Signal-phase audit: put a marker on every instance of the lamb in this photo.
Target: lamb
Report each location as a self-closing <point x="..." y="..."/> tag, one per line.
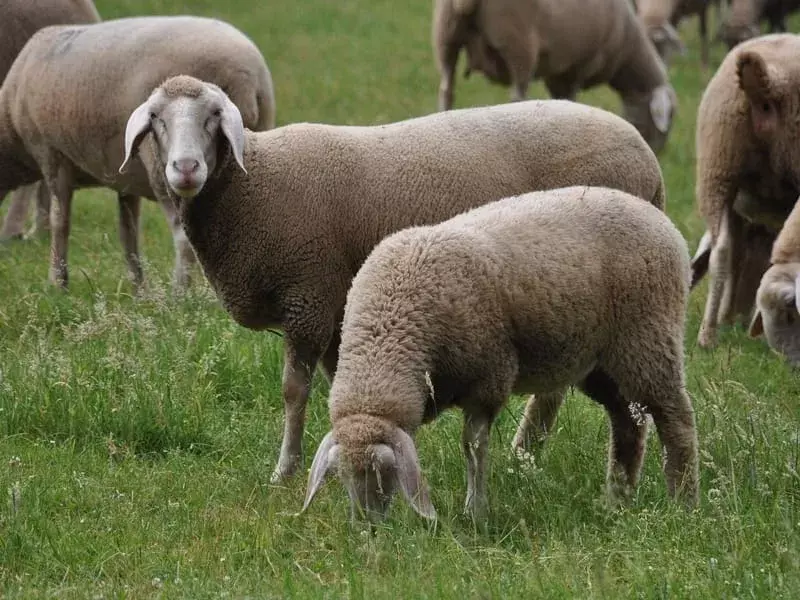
<point x="75" y="138"/>
<point x="743" y="22"/>
<point x="778" y="297"/>
<point x="747" y="159"/>
<point x="23" y="18"/>
<point x="281" y="244"/>
<point x="533" y="293"/>
<point x="571" y="44"/>
<point x="661" y="17"/>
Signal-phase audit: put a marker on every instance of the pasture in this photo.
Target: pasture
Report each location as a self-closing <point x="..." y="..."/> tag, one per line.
<point x="137" y="435"/>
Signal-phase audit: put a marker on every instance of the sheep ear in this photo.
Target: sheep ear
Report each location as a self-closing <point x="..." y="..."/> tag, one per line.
<point x="233" y="128"/>
<point x="756" y="325"/>
<point x="797" y="292"/>
<point x="661" y="106"/>
<point x="409" y="476"/>
<point x="754" y="76"/>
<point x="138" y="125"/>
<point x="325" y="461"/>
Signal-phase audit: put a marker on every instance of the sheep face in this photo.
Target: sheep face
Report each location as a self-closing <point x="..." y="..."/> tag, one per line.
<point x="777" y="317"/>
<point x="666" y="40"/>
<point x="771" y="97"/>
<point x="371" y="483"/>
<point x="189" y="120"/>
<point x="652" y="114"/>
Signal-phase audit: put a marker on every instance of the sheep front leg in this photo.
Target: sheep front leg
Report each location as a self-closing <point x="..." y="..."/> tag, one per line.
<point x="538" y="419"/>
<point x="736" y="243"/>
<point x="447" y="58"/>
<point x="720" y="272"/>
<point x="475" y="442"/>
<point x="59" y="180"/>
<point x="129" y="235"/>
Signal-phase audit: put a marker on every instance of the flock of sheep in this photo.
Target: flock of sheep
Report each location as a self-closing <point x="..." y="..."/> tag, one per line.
<point x="446" y="260"/>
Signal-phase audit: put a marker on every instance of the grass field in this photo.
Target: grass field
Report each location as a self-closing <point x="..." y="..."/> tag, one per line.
<point x="137" y="436"/>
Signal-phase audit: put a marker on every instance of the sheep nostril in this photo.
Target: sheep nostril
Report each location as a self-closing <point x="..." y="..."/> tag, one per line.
<point x="186" y="166"/>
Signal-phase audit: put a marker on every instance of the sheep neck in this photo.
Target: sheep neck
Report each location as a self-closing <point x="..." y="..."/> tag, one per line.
<point x="643" y="70"/>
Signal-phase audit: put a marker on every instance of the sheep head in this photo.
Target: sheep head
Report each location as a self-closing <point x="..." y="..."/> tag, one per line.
<point x="666" y="40"/>
<point x="777" y="306"/>
<point x="189" y="120"/>
<point x="651" y="113"/>
<point x="373" y="478"/>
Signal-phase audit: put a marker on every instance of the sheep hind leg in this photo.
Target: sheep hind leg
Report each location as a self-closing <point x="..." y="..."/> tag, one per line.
<point x="129" y="207"/>
<point x="719" y="272"/>
<point x="475" y="443"/>
<point x="537" y="420"/>
<point x="627" y="436"/>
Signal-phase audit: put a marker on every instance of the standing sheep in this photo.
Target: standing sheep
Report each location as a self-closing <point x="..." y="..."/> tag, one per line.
<point x="744" y="17"/>
<point x="281" y="244"/>
<point x="571" y="44"/>
<point x="21" y="19"/>
<point x="778" y="297"/>
<point x="583" y="286"/>
<point x="660" y="19"/>
<point x="102" y="72"/>
<point x="748" y="158"/>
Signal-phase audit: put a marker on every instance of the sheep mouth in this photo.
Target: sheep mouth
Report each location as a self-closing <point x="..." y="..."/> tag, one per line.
<point x="186" y="187"/>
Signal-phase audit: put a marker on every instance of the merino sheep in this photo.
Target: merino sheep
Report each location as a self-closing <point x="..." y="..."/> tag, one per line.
<point x="778" y="297"/>
<point x="281" y="245"/>
<point x="660" y="19"/>
<point x="744" y="17"/>
<point x="748" y="158"/>
<point x="21" y="19"/>
<point x="102" y="72"/>
<point x="571" y="44"/>
<point x="534" y="293"/>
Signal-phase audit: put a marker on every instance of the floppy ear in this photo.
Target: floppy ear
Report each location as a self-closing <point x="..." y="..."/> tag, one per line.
<point x="756" y="325"/>
<point x="325" y="460"/>
<point x="797" y="292"/>
<point x="755" y="78"/>
<point x="138" y="125"/>
<point x="667" y="34"/>
<point x="409" y="476"/>
<point x="661" y="105"/>
<point x="233" y="128"/>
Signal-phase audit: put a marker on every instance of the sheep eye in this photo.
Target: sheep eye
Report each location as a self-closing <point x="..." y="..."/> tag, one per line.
<point x="153" y="116"/>
<point x="218" y="112"/>
<point x="765" y="107"/>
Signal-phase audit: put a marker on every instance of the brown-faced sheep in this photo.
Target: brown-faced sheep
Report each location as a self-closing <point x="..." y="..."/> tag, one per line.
<point x="102" y="72"/>
<point x="748" y="158"/>
<point x="570" y="44"/>
<point x="281" y="243"/>
<point x="584" y="286"/>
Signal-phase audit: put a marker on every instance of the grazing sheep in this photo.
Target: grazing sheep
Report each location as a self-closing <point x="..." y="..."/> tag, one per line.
<point x="744" y="17"/>
<point x="778" y="297"/>
<point x="281" y="245"/>
<point x="21" y="19"/>
<point x="748" y="158"/>
<point x="661" y="17"/>
<point x="571" y="44"/>
<point x="102" y="72"/>
<point x="584" y="286"/>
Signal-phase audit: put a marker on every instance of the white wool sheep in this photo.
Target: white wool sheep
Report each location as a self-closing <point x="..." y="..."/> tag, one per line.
<point x="580" y="285"/>
<point x="102" y="72"/>
<point x="281" y="243"/>
<point x="570" y="44"/>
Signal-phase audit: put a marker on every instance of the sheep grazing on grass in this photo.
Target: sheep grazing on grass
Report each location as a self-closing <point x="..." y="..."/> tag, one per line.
<point x="281" y="242"/>
<point x="778" y="297"/>
<point x="571" y="44"/>
<point x="21" y="19"/>
<point x="102" y="72"/>
<point x="744" y="17"/>
<point x="584" y="286"/>
<point x="748" y="161"/>
<point x="660" y="19"/>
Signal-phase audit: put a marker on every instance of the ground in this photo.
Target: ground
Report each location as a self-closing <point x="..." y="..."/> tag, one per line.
<point x="137" y="436"/>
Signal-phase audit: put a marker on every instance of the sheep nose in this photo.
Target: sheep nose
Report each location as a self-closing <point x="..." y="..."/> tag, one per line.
<point x="186" y="166"/>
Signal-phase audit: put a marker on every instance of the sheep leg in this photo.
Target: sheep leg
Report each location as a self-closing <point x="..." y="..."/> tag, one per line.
<point x="41" y="221"/>
<point x="298" y="370"/>
<point x="14" y="223"/>
<point x="475" y="442"/>
<point x="59" y="180"/>
<point x="184" y="255"/>
<point x="675" y="424"/>
<point x="447" y="58"/>
<point x="703" y="26"/>
<point x="331" y="355"/>
<point x="719" y="272"/>
<point x="538" y="419"/>
<point x="737" y="256"/>
<point x="129" y="235"/>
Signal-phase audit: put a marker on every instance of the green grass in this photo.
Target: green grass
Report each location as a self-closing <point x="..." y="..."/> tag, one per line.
<point x="137" y="435"/>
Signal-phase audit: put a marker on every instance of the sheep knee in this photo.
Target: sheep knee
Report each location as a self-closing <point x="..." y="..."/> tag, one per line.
<point x="537" y="420"/>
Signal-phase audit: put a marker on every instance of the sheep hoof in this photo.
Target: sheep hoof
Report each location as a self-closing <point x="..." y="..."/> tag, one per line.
<point x="282" y="473"/>
<point x="707" y="338"/>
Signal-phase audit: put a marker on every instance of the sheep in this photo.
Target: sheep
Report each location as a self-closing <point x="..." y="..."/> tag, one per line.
<point x="102" y="72"/>
<point x="281" y="245"/>
<point x="747" y="159"/>
<point x="23" y="18"/>
<point x="778" y="296"/>
<point x="571" y="44"/>
<point x="743" y="21"/>
<point x="661" y="17"/>
<point x="533" y="293"/>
